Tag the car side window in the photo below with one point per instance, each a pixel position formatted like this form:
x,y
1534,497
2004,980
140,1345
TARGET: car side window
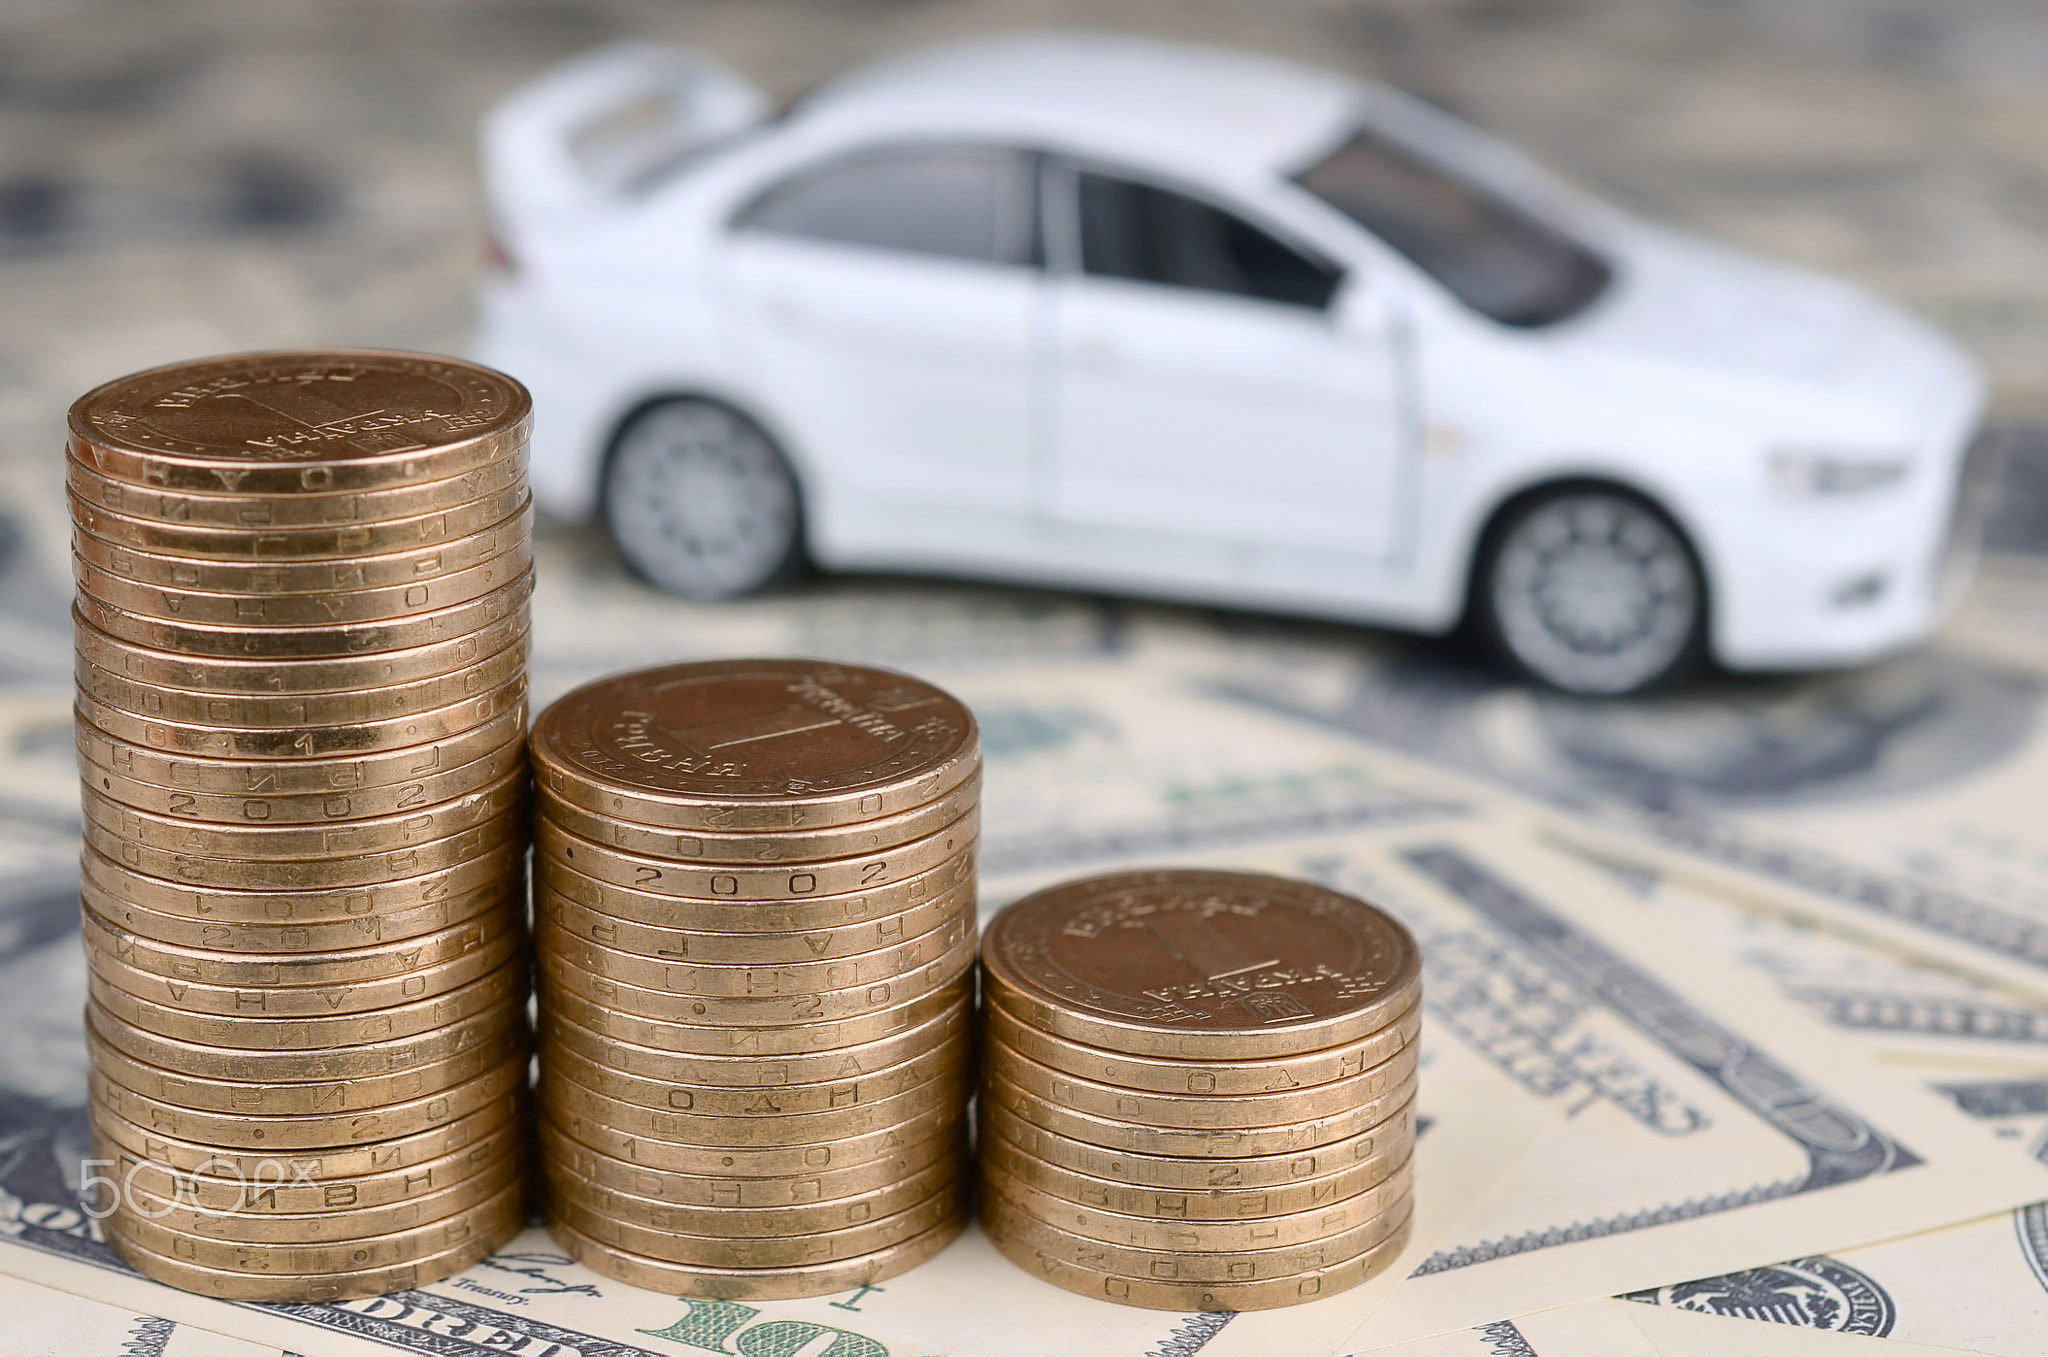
x,y
961,202
1148,234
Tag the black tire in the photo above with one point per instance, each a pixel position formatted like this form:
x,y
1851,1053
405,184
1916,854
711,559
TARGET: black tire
x,y
1593,591
701,502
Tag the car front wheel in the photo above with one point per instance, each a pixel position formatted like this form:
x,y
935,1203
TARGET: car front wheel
x,y
701,502
1592,591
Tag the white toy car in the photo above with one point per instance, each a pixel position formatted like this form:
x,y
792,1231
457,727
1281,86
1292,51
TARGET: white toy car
x,y
1140,317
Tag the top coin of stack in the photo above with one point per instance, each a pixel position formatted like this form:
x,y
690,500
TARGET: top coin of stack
x,y
754,930
1198,1088
301,657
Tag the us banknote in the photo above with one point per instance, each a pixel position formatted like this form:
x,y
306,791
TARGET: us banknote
x,y
1895,798
1982,1285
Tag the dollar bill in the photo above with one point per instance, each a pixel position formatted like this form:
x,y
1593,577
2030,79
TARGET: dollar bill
x,y
1981,1285
45,1323
1610,1329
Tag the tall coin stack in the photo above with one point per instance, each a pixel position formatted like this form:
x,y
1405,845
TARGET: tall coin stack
x,y
302,642
754,933
1198,1088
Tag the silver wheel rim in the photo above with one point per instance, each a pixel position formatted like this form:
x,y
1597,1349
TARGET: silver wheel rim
x,y
700,502
1594,593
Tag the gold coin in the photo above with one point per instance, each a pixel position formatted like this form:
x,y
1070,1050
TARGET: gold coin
x,y
196,1062
759,846
302,422
164,523
753,1135
743,1284
1203,1236
312,741
277,997
748,949
311,642
303,1099
739,982
398,1246
754,916
1224,1078
268,942
767,1010
292,711
310,807
335,608
307,577
1240,1143
471,886
1393,1078
1002,1212
281,515
253,1038
824,1068
1209,1204
735,745
316,874
281,1134
1040,1250
707,1223
287,1187
764,1103
322,1227
842,876
336,775
1389,1142
361,977
273,844
321,1288
1201,964
750,1194
396,1154
825,1247
750,1042
165,669
765,1162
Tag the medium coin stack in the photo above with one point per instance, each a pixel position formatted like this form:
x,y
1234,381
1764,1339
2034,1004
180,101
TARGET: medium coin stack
x,y
1198,1088
301,656
754,932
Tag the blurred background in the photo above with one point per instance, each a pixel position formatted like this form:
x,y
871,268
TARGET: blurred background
x,y
177,179
214,175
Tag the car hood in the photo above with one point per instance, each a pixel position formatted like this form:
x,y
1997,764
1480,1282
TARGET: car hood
x,y
1689,304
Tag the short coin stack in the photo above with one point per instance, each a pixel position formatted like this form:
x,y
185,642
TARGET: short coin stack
x,y
1198,1088
754,931
302,642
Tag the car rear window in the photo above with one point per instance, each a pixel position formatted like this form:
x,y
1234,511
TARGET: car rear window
x,y
975,203
1493,255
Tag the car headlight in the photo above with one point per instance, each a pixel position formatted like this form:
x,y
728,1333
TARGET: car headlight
x,y
1818,473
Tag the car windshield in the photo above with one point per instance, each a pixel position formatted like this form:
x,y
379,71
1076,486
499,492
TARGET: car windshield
x,y
1489,253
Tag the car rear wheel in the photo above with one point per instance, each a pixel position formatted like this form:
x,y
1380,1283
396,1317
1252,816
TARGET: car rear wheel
x,y
1592,591
701,502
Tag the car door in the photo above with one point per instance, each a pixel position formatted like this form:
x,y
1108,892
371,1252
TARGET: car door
x,y
1206,382
886,301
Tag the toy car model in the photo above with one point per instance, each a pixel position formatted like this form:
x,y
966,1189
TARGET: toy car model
x,y
1164,320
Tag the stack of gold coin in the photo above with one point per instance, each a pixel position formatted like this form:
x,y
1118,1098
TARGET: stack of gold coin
x,y
302,644
754,932
1198,1088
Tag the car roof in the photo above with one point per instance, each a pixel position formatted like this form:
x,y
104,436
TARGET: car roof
x,y
1253,112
